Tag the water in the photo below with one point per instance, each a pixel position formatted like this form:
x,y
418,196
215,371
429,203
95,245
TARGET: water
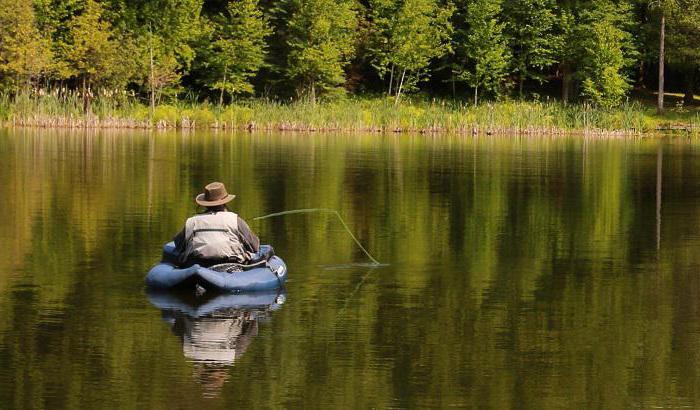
x,y
521,272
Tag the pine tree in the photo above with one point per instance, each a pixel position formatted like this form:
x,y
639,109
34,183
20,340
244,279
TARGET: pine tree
x,y
321,40
483,58
408,35
530,28
25,54
238,48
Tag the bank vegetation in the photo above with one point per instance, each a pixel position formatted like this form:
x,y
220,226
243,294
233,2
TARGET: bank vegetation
x,y
371,65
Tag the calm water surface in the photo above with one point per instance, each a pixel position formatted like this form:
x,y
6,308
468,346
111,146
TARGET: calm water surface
x,y
522,272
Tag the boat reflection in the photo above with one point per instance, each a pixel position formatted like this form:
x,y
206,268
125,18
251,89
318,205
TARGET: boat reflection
x,y
215,331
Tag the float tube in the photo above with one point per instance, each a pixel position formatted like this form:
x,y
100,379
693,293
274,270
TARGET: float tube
x,y
268,272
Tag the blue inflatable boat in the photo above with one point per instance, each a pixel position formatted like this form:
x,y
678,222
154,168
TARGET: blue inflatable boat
x,y
266,272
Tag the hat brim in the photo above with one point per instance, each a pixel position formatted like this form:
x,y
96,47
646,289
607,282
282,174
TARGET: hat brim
x,y
201,201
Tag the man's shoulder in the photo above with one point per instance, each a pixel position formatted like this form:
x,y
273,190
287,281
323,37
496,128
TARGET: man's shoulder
x,y
209,215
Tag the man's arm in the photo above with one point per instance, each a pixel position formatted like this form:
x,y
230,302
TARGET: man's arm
x,y
250,241
179,240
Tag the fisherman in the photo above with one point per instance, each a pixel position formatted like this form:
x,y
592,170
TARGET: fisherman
x,y
216,235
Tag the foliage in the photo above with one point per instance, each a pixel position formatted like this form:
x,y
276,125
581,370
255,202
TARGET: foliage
x,y
483,56
606,51
164,33
407,36
321,40
683,34
25,54
163,50
90,52
236,49
530,29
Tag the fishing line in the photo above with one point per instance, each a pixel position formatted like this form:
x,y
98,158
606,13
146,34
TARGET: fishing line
x,y
323,210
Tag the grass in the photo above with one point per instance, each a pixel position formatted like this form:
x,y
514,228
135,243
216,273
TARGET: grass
x,y
349,114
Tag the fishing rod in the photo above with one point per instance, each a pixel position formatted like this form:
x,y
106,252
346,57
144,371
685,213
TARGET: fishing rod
x,y
322,210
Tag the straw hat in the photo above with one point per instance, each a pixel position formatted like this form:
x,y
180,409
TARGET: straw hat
x,y
214,195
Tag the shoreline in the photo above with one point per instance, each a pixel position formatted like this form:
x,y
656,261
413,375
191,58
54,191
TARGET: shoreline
x,y
371,115
135,125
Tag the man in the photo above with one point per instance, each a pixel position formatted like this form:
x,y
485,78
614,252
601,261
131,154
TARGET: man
x,y
216,235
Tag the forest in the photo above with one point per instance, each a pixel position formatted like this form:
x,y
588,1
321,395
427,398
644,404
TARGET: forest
x,y
596,52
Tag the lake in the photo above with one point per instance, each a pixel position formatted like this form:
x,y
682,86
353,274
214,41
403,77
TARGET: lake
x,y
531,272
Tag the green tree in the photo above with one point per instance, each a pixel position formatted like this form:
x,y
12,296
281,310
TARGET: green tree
x,y
162,69
530,26
237,49
482,52
91,53
603,81
164,32
683,37
607,50
25,54
408,35
176,22
569,52
321,39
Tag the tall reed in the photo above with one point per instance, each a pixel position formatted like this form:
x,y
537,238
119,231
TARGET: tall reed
x,y
60,108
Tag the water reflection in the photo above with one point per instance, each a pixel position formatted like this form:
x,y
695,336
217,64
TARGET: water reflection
x,y
215,330
522,272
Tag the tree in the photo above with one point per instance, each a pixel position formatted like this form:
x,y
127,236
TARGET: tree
x,y
603,81
176,22
407,36
91,53
569,53
682,39
607,50
164,32
530,28
25,54
163,69
321,40
238,48
482,53
664,8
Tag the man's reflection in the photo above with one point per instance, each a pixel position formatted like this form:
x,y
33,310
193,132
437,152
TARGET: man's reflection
x,y
215,332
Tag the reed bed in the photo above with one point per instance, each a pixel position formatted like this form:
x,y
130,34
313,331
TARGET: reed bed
x,y
350,114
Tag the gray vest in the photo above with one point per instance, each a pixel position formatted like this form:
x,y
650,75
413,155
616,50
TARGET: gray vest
x,y
214,236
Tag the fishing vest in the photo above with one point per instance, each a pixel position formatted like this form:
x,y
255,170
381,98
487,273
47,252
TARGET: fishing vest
x,y
214,236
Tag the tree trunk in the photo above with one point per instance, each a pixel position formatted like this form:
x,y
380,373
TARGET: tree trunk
x,y
565,85
221,96
476,95
520,86
391,79
84,95
151,82
662,41
398,92
689,97
313,93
